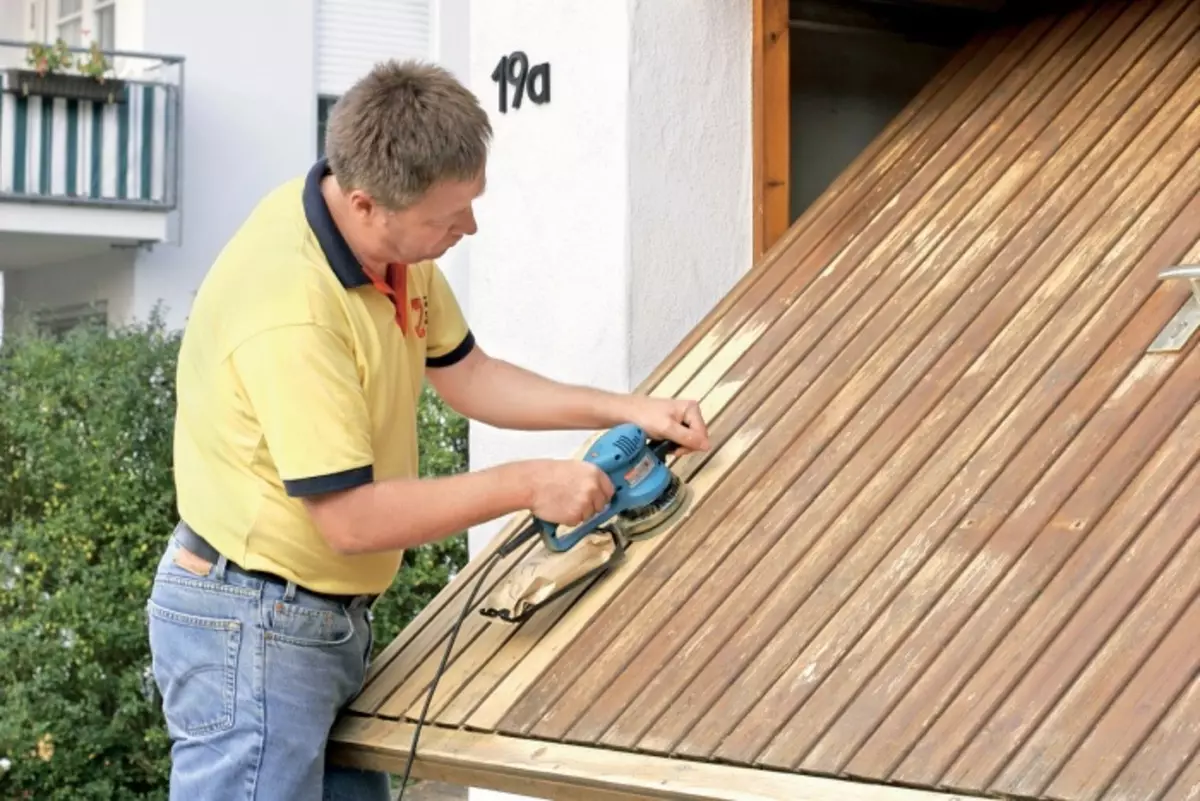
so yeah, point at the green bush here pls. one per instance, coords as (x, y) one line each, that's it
(85, 507)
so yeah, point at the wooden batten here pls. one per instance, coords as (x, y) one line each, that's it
(558, 771)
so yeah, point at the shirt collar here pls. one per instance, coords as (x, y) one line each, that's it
(337, 251)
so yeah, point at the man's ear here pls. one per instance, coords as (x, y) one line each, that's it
(361, 203)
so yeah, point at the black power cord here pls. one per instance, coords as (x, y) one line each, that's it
(492, 561)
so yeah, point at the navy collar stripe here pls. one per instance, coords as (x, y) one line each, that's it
(337, 251)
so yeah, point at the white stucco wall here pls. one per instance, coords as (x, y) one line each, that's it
(104, 276)
(619, 213)
(250, 123)
(690, 167)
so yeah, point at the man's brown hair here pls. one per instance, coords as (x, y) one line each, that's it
(404, 127)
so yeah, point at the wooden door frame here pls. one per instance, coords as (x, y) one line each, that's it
(771, 111)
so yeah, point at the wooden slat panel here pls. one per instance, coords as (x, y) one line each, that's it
(945, 535)
(901, 302)
(1165, 751)
(1081, 756)
(816, 662)
(940, 745)
(843, 703)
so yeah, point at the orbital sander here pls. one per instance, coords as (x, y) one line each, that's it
(645, 495)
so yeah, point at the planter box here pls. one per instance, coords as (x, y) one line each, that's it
(76, 87)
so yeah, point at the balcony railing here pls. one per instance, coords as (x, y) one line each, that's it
(68, 138)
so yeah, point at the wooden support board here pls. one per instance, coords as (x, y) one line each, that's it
(550, 770)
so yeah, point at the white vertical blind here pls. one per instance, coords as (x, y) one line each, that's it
(354, 35)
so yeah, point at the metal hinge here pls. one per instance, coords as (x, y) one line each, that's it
(1187, 319)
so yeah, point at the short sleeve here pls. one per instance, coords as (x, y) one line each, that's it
(301, 383)
(448, 338)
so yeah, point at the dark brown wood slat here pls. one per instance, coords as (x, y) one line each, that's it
(767, 409)
(753, 633)
(1165, 752)
(914, 712)
(839, 561)
(1125, 714)
(532, 709)
(849, 727)
(421, 641)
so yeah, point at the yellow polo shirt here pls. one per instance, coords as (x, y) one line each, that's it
(299, 374)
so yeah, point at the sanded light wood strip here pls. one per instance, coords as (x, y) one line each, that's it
(539, 707)
(492, 635)
(552, 770)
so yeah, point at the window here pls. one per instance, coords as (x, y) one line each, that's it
(79, 22)
(58, 322)
(324, 105)
(104, 23)
(70, 21)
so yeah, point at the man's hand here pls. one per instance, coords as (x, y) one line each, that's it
(567, 491)
(671, 418)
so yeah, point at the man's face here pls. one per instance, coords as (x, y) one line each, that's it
(424, 230)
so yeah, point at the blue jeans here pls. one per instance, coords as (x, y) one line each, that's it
(252, 675)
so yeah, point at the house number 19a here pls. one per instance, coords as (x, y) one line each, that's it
(514, 70)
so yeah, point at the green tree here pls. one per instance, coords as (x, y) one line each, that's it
(85, 506)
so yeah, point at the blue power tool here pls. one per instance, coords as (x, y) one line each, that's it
(645, 494)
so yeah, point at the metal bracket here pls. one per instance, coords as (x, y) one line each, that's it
(1185, 322)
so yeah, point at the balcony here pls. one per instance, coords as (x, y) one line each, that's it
(86, 163)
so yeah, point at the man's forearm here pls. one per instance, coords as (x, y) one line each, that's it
(406, 513)
(504, 395)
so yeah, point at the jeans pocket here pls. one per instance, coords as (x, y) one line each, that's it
(194, 661)
(294, 623)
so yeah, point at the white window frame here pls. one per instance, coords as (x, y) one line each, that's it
(61, 20)
(98, 7)
(46, 21)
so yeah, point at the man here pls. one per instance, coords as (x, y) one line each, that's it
(296, 441)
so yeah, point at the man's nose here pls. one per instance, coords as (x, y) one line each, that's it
(467, 224)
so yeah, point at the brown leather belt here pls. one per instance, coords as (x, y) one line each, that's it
(191, 541)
